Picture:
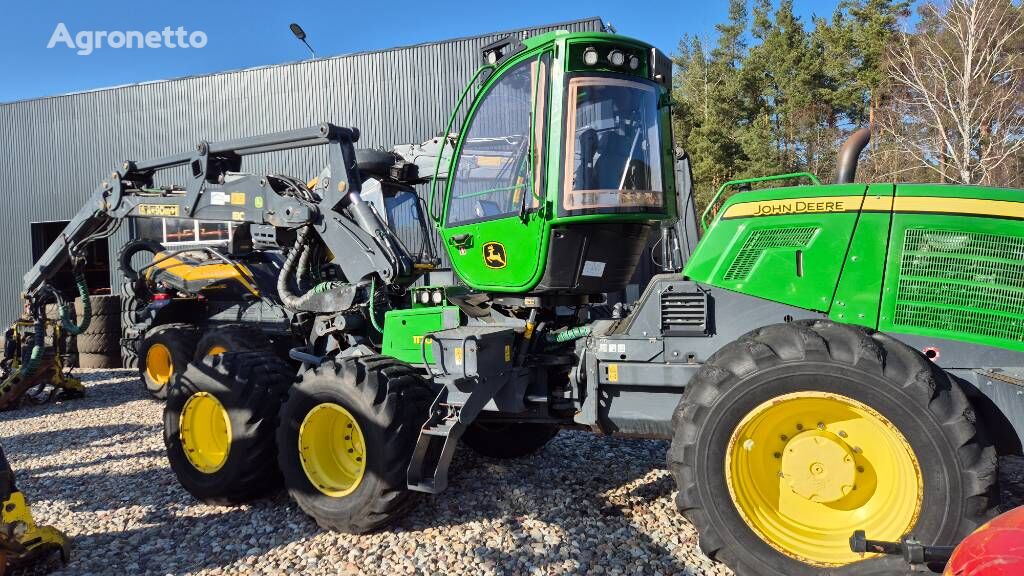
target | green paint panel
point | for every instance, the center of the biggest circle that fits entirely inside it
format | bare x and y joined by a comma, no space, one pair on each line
792,258
404,330
859,291
956,277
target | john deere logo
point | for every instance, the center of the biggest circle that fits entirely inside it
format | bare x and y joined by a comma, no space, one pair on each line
494,255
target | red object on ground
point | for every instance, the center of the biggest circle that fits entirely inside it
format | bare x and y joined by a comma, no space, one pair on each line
995,549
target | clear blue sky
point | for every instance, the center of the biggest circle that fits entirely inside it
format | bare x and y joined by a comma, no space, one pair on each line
245,34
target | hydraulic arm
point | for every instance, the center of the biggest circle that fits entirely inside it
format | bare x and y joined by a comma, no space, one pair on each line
272,205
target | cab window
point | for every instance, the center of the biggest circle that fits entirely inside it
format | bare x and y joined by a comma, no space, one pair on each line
494,175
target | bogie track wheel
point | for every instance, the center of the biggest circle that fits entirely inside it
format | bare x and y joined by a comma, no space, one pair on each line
796,435
165,352
231,338
219,426
346,438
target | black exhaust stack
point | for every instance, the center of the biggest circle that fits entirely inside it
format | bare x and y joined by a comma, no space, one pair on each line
846,166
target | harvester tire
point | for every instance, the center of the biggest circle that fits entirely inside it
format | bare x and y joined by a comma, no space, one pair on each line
98,361
370,411
219,426
508,440
806,413
130,304
231,338
165,352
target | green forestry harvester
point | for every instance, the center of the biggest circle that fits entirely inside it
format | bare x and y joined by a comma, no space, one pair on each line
824,358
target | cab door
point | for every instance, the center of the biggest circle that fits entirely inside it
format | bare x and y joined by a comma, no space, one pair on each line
492,230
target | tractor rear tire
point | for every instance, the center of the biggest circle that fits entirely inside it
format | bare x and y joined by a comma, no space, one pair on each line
231,338
165,352
778,430
370,409
508,440
219,426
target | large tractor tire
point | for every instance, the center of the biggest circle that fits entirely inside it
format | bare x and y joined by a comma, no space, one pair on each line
796,435
346,438
165,352
219,426
232,338
508,440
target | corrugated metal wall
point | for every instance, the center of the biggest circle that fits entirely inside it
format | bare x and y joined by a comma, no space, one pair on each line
54,151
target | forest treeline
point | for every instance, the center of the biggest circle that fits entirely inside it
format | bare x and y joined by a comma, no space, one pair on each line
942,88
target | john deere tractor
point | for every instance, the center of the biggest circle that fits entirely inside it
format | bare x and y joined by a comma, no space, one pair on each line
825,358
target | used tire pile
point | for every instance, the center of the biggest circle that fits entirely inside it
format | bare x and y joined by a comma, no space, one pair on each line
100,345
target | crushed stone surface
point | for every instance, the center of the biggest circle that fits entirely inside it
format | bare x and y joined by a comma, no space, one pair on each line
95,468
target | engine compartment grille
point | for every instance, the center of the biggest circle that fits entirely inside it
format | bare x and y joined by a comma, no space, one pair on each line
761,241
962,282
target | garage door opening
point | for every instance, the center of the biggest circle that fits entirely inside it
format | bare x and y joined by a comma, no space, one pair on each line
97,259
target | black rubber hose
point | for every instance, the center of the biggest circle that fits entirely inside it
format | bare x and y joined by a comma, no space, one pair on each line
284,291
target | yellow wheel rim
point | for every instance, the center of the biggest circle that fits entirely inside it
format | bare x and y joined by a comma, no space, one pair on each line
159,366
205,432
216,350
332,450
806,469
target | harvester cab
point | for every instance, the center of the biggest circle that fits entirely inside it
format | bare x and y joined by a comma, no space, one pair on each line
562,168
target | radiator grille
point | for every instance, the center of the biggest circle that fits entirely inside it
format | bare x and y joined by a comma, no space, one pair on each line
683,311
961,282
761,241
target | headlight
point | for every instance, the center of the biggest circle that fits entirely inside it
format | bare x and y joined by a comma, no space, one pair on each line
425,297
634,62
590,56
617,58
437,297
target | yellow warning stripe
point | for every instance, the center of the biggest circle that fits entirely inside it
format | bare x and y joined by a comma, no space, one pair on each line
873,203
814,205
961,206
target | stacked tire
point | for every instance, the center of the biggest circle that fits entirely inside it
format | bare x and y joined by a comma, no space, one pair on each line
100,345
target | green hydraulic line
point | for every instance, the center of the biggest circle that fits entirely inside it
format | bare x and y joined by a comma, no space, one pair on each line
568,335
65,314
36,356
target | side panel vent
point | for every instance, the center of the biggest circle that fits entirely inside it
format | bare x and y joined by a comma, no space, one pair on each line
962,283
684,313
760,241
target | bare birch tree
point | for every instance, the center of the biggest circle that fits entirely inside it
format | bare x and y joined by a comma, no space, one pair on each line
957,93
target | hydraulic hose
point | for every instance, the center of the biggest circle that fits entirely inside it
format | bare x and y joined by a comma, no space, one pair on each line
370,312
38,344
284,291
65,314
568,335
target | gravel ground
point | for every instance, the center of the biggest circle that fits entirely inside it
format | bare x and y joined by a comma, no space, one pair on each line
95,468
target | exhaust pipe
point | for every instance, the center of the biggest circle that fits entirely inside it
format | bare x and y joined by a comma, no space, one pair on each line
849,153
